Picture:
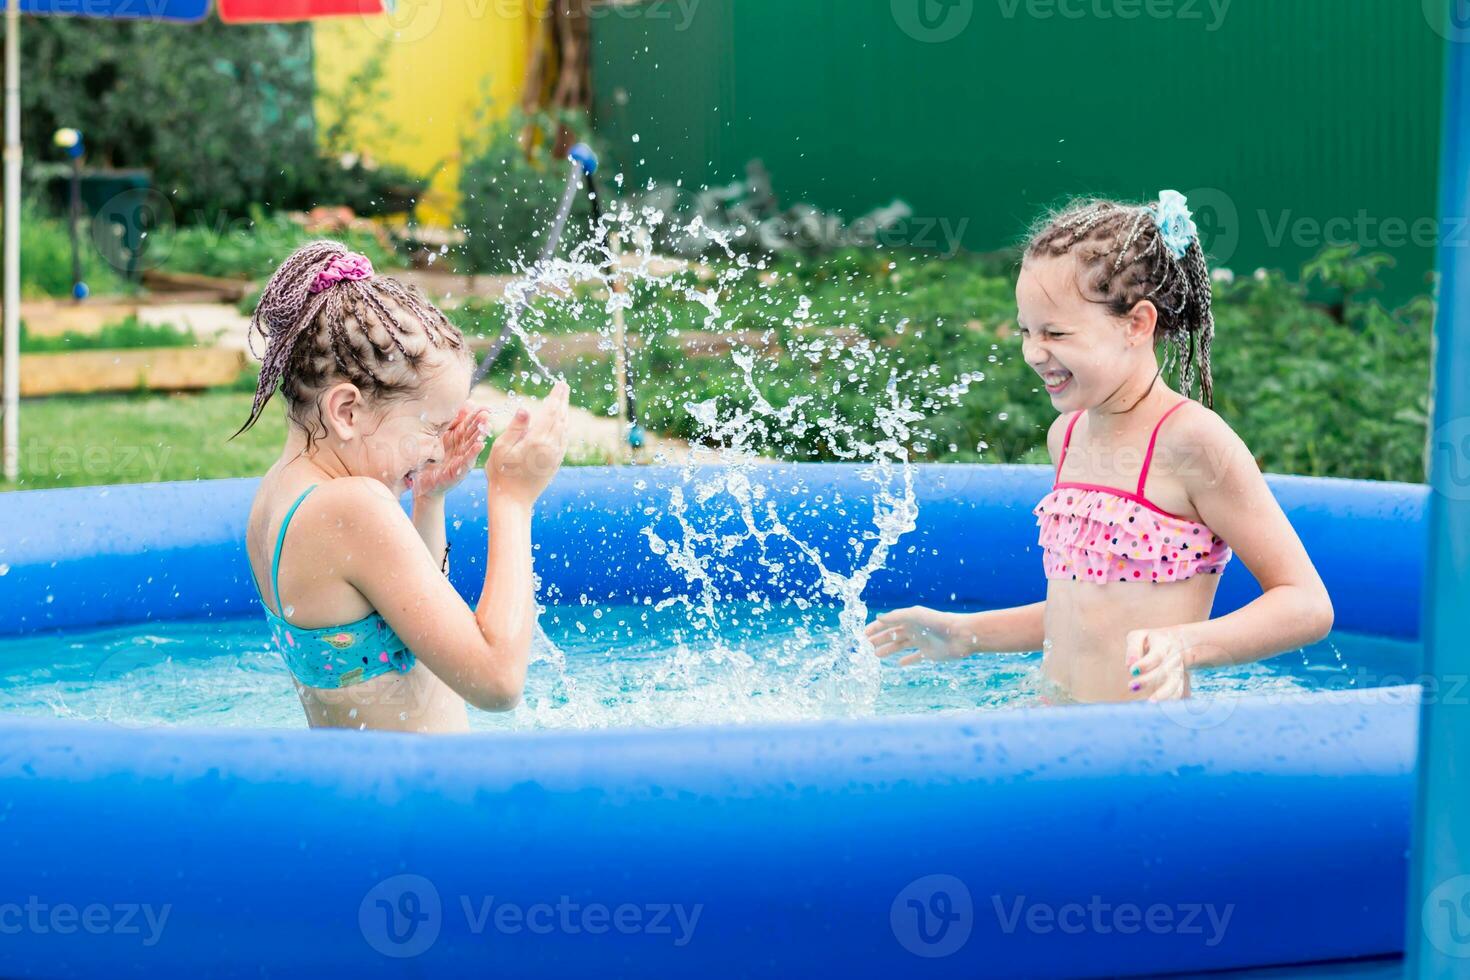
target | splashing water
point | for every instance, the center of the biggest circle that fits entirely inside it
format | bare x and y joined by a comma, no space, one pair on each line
720,505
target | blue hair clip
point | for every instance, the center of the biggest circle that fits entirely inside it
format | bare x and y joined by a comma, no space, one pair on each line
1176,224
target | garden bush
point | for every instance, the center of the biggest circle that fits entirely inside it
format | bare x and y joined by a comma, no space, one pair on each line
1336,389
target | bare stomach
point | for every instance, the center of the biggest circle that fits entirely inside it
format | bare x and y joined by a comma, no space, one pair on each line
417,701
1087,627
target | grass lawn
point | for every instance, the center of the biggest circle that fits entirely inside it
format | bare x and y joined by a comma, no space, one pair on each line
98,440
138,438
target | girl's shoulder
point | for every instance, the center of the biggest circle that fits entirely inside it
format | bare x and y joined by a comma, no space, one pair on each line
351,502
341,503
1199,446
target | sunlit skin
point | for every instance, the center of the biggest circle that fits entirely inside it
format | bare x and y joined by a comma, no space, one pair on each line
1121,641
351,550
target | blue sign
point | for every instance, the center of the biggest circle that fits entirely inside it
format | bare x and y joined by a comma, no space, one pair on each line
179,10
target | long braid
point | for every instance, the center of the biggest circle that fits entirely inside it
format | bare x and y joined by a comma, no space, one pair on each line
1124,260
372,332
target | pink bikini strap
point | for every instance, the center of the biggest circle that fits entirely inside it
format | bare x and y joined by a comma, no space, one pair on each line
1148,457
1066,441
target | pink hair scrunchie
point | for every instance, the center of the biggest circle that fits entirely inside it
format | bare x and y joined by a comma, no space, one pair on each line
347,265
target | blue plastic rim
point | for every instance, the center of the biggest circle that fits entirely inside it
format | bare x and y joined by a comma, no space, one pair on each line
582,154
1108,840
1439,894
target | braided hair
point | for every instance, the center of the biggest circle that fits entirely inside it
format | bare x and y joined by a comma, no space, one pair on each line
1124,260
371,331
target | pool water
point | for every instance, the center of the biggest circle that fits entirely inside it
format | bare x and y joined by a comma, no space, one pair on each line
602,666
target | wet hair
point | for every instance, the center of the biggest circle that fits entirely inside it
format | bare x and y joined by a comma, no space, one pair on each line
1123,260
374,333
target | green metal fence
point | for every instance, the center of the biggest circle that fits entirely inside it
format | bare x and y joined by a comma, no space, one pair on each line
1291,124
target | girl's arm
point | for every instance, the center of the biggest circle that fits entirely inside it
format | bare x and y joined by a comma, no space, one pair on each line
948,636
428,521
480,654
936,635
1294,609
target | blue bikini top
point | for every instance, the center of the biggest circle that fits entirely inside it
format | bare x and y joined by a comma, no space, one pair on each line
332,656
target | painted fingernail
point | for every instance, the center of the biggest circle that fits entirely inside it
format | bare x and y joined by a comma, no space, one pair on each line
1135,671
1135,686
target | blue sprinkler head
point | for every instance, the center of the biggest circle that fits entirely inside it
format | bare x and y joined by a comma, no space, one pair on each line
635,437
583,156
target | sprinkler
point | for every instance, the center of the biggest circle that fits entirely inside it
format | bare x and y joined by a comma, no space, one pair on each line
580,177
583,161
70,140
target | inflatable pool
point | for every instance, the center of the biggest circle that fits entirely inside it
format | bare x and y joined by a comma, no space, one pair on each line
1103,840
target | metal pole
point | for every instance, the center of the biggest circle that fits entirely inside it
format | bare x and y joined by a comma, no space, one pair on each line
620,340
12,242
1438,935
77,292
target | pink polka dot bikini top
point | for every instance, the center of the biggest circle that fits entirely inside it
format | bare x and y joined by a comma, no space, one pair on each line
1102,534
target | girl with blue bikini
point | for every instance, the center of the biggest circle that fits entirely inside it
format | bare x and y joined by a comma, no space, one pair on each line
376,383
1153,491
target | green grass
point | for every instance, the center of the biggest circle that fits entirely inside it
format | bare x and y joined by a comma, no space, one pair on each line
104,439
108,439
45,268
125,334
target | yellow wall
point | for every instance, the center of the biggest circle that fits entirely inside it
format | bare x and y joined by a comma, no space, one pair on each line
439,57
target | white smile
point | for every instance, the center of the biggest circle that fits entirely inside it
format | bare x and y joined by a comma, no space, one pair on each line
1056,380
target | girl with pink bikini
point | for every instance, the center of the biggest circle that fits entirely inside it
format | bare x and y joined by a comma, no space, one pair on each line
1153,491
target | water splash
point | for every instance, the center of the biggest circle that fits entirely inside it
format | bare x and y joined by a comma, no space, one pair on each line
720,505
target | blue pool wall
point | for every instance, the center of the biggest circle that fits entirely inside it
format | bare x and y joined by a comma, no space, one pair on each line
804,845
95,556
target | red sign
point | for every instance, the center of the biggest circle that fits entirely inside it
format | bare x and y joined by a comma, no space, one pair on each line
245,11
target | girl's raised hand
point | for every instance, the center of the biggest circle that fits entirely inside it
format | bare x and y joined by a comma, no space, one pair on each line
528,453
463,442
